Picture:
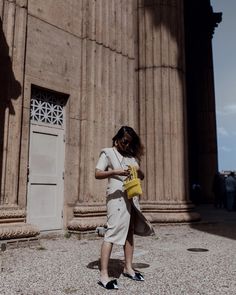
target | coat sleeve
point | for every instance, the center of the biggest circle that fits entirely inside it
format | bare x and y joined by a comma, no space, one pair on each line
103,162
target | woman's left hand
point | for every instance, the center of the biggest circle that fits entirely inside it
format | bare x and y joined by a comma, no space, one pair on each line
140,174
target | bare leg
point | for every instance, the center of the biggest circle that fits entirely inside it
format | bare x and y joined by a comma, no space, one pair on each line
105,256
128,252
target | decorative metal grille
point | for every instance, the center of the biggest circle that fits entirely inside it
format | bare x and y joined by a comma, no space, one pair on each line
47,107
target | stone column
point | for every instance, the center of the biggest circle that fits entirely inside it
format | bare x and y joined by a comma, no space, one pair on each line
207,133
108,97
200,92
13,37
162,103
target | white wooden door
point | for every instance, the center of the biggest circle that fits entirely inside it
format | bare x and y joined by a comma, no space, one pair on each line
46,177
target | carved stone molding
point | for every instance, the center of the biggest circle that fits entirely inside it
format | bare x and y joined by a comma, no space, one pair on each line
170,212
17,230
86,224
11,213
87,217
13,223
90,210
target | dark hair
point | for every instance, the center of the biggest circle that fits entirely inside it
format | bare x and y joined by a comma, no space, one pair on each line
136,148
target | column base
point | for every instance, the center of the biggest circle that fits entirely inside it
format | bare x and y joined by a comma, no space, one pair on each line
87,218
166,212
13,224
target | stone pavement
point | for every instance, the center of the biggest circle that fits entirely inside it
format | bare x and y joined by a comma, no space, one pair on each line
60,265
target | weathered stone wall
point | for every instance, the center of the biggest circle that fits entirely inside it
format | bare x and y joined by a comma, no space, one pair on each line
120,62
12,51
85,49
53,61
108,95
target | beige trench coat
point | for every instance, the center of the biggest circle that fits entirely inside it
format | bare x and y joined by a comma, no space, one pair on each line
119,208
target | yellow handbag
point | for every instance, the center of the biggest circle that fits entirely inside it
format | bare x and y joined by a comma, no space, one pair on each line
132,184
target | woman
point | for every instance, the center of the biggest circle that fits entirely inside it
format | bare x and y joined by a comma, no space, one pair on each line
124,218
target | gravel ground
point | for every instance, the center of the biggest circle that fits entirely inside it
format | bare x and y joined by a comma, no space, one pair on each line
60,265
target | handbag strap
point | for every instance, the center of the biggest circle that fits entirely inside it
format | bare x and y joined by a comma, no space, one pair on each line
123,177
117,158
133,170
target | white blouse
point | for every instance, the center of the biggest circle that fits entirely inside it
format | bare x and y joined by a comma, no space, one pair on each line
110,158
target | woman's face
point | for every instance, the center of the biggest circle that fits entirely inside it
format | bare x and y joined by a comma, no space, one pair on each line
124,143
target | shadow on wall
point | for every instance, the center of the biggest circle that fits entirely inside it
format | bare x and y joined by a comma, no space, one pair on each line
161,17
9,89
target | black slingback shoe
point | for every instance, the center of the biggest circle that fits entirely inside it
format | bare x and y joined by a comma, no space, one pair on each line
136,277
110,285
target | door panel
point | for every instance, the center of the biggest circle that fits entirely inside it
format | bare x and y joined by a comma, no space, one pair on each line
46,187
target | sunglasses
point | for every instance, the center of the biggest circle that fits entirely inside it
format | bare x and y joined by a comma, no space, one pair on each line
125,141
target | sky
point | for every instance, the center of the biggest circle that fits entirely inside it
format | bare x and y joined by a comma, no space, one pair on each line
224,59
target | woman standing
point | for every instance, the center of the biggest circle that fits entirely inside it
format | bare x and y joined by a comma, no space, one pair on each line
124,218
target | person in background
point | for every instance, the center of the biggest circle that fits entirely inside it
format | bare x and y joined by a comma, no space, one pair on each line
218,188
124,218
196,193
230,184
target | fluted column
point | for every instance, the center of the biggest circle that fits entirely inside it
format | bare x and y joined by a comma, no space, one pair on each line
201,98
208,162
163,110
13,36
108,96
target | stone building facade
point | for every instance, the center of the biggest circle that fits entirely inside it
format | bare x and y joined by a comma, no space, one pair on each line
72,72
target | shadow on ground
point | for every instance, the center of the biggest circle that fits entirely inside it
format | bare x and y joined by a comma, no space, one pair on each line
115,266
216,221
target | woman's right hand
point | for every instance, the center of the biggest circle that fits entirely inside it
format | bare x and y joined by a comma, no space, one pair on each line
100,174
121,172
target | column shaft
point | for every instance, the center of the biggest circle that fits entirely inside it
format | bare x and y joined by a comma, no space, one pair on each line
163,110
108,97
13,38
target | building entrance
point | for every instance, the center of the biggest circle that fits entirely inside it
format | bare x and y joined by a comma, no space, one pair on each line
46,161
